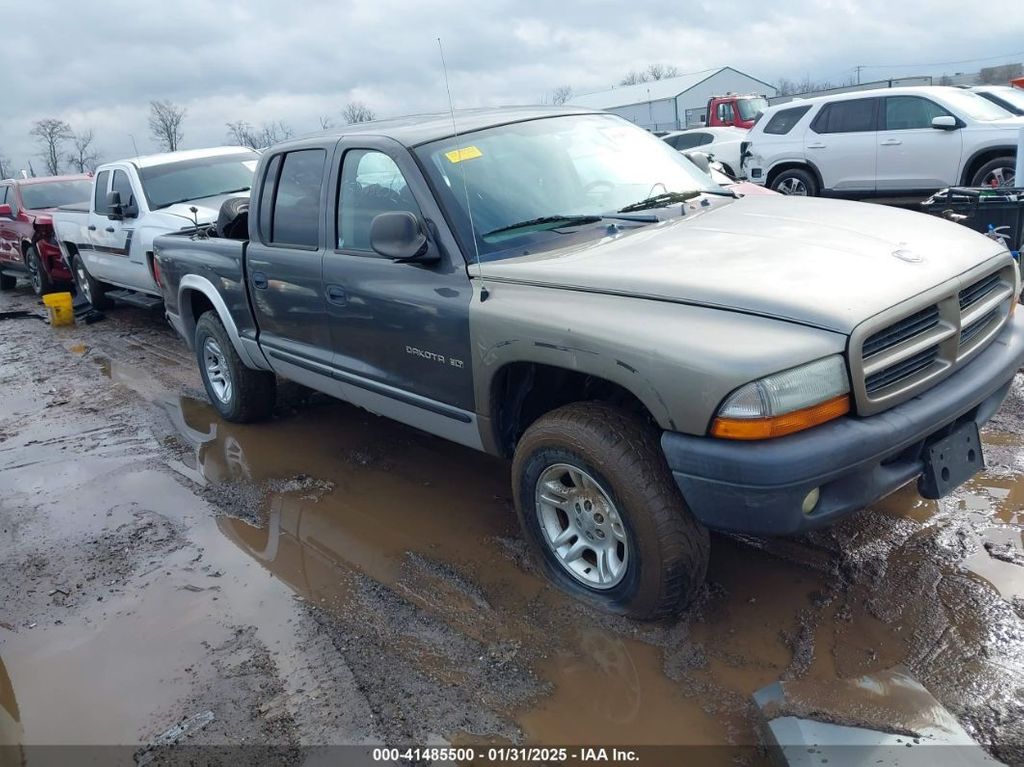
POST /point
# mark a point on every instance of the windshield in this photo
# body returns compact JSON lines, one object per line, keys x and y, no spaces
{"x":53,"y":194}
{"x":751,"y":108}
{"x":523,"y":180}
{"x":189,"y":180}
{"x":974,"y":106}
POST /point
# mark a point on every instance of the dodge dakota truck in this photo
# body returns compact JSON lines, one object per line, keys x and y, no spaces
{"x":656,"y":355}
{"x":28,"y":246}
{"x":107,"y":240}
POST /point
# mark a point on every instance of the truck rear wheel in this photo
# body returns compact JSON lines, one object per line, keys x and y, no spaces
{"x":41,"y":282}
{"x":95,"y":292}
{"x":598,"y":505}
{"x":239,"y":393}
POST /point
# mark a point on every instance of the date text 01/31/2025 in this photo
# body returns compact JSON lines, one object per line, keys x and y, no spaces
{"x":503,"y":754}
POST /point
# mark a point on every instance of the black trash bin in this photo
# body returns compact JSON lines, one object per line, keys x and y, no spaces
{"x":983,"y":209}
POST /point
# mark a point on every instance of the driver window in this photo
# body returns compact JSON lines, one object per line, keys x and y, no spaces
{"x":370,"y":184}
{"x":123,"y":185}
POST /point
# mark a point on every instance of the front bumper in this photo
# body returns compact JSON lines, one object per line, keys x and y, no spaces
{"x":759,"y":487}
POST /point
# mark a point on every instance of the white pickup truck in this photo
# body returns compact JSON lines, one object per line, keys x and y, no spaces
{"x":108,"y":242}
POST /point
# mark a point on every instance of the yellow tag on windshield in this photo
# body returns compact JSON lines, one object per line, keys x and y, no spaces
{"x":466,"y":153}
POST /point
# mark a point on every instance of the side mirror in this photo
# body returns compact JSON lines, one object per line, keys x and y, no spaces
{"x":114,"y":208}
{"x":6,"y":211}
{"x":401,"y":236}
{"x":944,"y":122}
{"x":700,"y":159}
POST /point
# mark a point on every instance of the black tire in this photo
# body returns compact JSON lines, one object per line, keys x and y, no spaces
{"x":668,"y":548}
{"x":251,"y":394}
{"x":41,"y":282}
{"x":1001,"y":169}
{"x":95,"y":292}
{"x":8,"y":282}
{"x":795,"y":181}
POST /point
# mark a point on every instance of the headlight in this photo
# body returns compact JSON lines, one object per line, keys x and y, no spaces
{"x":785,"y":402}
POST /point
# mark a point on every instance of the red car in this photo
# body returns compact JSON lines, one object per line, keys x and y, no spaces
{"x":27,"y":244}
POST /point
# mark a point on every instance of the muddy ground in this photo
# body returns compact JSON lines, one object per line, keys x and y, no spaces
{"x":331,"y":577}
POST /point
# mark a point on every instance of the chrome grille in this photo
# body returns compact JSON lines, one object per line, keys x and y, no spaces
{"x":904,"y":350}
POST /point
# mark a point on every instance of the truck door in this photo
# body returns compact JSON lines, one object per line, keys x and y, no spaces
{"x":96,"y":248}
{"x":912,"y":155}
{"x":400,"y":331}
{"x":9,"y":247}
{"x":284,"y":265}
{"x":123,"y":260}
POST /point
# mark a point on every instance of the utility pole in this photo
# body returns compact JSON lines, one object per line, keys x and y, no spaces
{"x":858,"y":68}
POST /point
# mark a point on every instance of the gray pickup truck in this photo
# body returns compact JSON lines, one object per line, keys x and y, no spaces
{"x":656,"y":355}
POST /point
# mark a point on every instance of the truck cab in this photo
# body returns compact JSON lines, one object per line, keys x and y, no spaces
{"x":732,"y":110}
{"x":109,"y":240}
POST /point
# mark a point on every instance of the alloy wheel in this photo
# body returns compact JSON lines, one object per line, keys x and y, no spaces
{"x":216,"y":370}
{"x":581,"y":526}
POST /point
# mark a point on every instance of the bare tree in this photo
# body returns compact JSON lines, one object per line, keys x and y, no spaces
{"x":326,"y":122}
{"x":652,"y":72}
{"x":165,"y":119}
{"x":83,"y":156}
{"x":807,"y":85}
{"x":51,"y":134}
{"x":5,"y":167}
{"x":662,"y":71}
{"x":561,"y":95}
{"x":357,"y":112}
{"x":244,"y":134}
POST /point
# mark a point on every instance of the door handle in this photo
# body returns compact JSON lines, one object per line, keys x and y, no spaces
{"x":92,"y":227}
{"x":336,"y":295}
{"x":259,"y":281}
{"x":815,"y":146}
{"x":892,"y":142}
{"x":109,"y":229}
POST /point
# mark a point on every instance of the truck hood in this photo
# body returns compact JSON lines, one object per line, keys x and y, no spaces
{"x":826,"y":263}
{"x":208,"y":208}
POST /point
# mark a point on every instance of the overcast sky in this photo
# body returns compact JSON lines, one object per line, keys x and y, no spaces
{"x":98,"y":65}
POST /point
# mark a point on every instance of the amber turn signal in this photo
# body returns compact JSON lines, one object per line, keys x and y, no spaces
{"x":781,"y":425}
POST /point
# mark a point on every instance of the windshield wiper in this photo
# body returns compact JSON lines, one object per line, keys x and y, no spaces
{"x":560,"y":220}
{"x":202,"y":197}
{"x":571,"y":221}
{"x":665,"y":199}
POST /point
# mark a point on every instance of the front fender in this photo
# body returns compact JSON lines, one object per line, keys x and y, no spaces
{"x":679,"y":360}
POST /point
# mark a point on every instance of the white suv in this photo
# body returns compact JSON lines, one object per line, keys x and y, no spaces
{"x":889,"y":141}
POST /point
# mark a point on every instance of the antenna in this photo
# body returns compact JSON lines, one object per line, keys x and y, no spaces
{"x":458,"y":149}
{"x":132,"y":137}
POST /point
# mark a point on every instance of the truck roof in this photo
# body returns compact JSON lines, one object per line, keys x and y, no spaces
{"x":148,"y":160}
{"x":414,"y":130}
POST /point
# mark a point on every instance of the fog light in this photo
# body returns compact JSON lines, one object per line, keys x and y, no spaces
{"x":811,"y":500}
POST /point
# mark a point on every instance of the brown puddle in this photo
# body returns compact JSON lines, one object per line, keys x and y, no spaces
{"x":392,"y":491}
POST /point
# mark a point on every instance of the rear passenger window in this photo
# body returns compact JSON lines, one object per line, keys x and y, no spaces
{"x":854,"y":116}
{"x":371,"y":184}
{"x":99,"y":202}
{"x":296,"y":216}
{"x":783,"y":122}
{"x":690,"y":140}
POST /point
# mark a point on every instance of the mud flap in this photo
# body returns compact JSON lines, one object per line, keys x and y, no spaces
{"x":951,"y":461}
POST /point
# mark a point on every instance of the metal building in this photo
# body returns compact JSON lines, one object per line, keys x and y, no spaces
{"x":675,"y":102}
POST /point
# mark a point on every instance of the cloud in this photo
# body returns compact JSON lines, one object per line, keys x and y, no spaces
{"x":262,"y":61}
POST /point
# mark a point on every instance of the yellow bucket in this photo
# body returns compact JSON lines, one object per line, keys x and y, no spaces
{"x":61,"y":310}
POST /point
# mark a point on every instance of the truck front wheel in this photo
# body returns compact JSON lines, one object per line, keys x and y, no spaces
{"x":239,"y":393}
{"x":598,"y":505}
{"x":95,"y":292}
